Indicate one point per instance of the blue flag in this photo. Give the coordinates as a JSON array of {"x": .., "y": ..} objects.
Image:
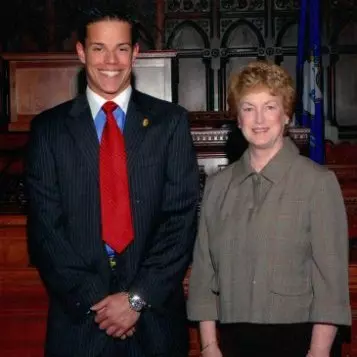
[{"x": 309, "y": 101}]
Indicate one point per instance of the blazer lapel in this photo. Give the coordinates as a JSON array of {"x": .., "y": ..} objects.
[
  {"x": 81, "y": 126},
  {"x": 136, "y": 126}
]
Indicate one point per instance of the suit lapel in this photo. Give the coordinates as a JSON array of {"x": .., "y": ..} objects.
[
  {"x": 81, "y": 126},
  {"x": 136, "y": 126}
]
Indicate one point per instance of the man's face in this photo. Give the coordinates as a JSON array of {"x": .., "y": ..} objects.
[{"x": 108, "y": 56}]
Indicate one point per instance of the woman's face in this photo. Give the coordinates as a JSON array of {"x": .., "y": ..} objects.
[{"x": 262, "y": 119}]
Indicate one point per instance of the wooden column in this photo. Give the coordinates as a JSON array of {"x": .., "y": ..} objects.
[
  {"x": 51, "y": 24},
  {"x": 160, "y": 23}
]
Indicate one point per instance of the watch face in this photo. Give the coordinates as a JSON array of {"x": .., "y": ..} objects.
[{"x": 136, "y": 303}]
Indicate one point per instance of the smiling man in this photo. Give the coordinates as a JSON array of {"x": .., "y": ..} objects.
[
  {"x": 113, "y": 188},
  {"x": 108, "y": 51}
]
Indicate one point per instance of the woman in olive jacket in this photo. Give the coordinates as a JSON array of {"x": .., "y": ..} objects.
[{"x": 270, "y": 264}]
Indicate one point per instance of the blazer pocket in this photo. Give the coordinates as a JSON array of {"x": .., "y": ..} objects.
[{"x": 289, "y": 287}]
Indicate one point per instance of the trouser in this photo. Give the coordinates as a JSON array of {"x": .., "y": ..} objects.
[
  {"x": 130, "y": 348},
  {"x": 125, "y": 348},
  {"x": 257, "y": 340}
]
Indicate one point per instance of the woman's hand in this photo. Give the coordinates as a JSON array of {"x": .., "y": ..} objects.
[
  {"x": 322, "y": 338},
  {"x": 209, "y": 340},
  {"x": 318, "y": 353},
  {"x": 211, "y": 350}
]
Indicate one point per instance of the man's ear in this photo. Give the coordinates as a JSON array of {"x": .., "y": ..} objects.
[
  {"x": 136, "y": 49},
  {"x": 80, "y": 52}
]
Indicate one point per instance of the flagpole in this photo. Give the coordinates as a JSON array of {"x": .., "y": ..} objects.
[
  {"x": 300, "y": 118},
  {"x": 317, "y": 120}
]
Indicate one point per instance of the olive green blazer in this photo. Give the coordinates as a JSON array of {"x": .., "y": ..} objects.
[{"x": 272, "y": 247}]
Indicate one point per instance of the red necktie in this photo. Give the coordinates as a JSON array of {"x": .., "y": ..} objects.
[{"x": 117, "y": 227}]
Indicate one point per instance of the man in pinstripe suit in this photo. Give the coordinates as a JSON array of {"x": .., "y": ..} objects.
[{"x": 135, "y": 309}]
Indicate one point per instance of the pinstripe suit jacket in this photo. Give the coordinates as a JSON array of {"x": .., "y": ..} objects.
[{"x": 64, "y": 223}]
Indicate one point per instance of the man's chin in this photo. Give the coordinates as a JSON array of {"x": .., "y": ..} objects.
[
  {"x": 115, "y": 89},
  {"x": 112, "y": 92}
]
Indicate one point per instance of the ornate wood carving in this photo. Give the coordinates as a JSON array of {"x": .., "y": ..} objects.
[
  {"x": 242, "y": 5},
  {"x": 345, "y": 4},
  {"x": 286, "y": 4},
  {"x": 187, "y": 6}
]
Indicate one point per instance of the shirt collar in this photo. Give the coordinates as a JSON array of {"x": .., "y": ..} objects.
[
  {"x": 276, "y": 167},
  {"x": 96, "y": 102}
]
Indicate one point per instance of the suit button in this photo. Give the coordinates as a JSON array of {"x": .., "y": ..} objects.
[{"x": 78, "y": 304}]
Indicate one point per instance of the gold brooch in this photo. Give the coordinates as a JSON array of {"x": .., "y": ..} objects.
[{"x": 112, "y": 262}]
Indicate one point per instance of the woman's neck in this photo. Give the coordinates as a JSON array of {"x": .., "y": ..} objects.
[{"x": 259, "y": 158}]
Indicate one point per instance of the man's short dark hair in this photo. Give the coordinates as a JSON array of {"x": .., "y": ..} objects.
[{"x": 120, "y": 12}]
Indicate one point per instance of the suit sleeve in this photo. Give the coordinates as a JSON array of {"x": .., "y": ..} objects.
[
  {"x": 202, "y": 299},
  {"x": 163, "y": 270},
  {"x": 63, "y": 271},
  {"x": 329, "y": 237}
]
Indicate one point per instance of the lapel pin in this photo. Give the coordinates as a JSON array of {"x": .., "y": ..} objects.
[{"x": 145, "y": 122}]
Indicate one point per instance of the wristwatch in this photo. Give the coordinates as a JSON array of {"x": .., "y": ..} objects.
[{"x": 136, "y": 302}]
